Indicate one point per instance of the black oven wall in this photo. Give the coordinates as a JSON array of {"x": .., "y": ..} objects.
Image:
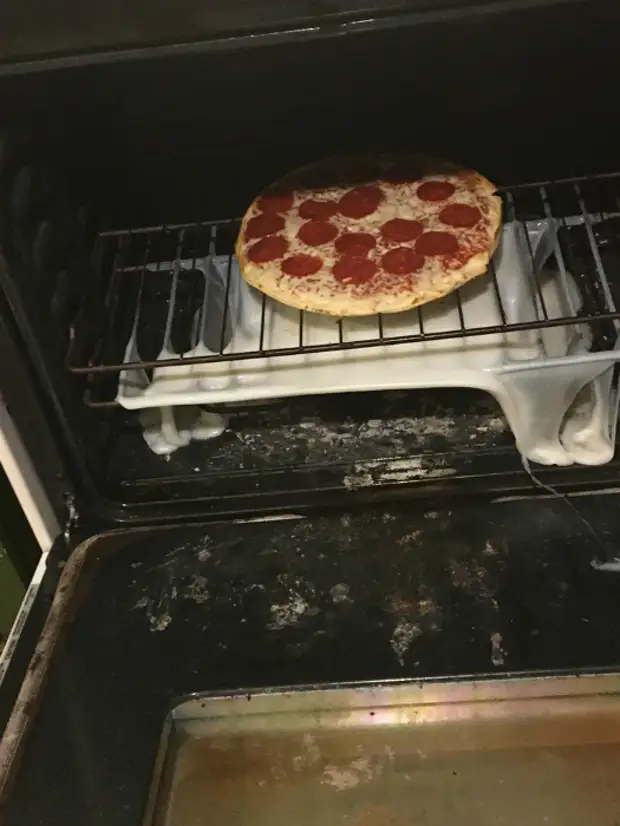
[{"x": 521, "y": 95}]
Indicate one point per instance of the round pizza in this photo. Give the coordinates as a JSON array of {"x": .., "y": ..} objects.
[{"x": 364, "y": 235}]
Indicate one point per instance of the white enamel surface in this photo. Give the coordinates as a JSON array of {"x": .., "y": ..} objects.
[
  {"x": 38, "y": 511},
  {"x": 25, "y": 482}
]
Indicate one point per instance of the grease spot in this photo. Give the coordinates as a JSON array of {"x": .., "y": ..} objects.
[
  {"x": 396, "y": 471},
  {"x": 489, "y": 550},
  {"x": 311, "y": 748},
  {"x": 403, "y": 636},
  {"x": 287, "y": 614},
  {"x": 358, "y": 771},
  {"x": 340, "y": 779},
  {"x": 497, "y": 651},
  {"x": 159, "y": 622},
  {"x": 172, "y": 582},
  {"x": 197, "y": 590},
  {"x": 340, "y": 593},
  {"x": 410, "y": 538}
]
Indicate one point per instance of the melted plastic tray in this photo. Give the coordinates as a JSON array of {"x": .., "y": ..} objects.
[
  {"x": 517, "y": 752},
  {"x": 513, "y": 366},
  {"x": 506, "y": 296}
]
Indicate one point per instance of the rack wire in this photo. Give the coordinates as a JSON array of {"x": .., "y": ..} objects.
[{"x": 137, "y": 265}]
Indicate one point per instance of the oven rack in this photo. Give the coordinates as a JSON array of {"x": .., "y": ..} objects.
[{"x": 151, "y": 290}]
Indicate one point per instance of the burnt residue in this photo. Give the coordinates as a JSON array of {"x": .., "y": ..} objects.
[
  {"x": 436, "y": 584},
  {"x": 371, "y": 594},
  {"x": 330, "y": 430},
  {"x": 303, "y": 453}
]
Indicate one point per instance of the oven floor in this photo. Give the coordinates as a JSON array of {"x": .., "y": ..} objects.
[
  {"x": 370, "y": 594},
  {"x": 305, "y": 452},
  {"x": 332, "y": 431}
]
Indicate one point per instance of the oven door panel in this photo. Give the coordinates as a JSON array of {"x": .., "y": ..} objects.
[
  {"x": 27, "y": 488},
  {"x": 142, "y": 618}
]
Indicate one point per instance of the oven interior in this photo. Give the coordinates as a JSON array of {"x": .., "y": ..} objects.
[{"x": 153, "y": 161}]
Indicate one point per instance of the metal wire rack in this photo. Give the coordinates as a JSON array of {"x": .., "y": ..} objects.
[{"x": 151, "y": 286}]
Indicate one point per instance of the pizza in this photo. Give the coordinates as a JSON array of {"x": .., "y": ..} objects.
[{"x": 365, "y": 235}]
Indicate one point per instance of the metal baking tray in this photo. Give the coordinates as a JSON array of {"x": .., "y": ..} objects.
[{"x": 519, "y": 751}]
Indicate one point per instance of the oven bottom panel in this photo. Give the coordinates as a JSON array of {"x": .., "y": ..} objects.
[
  {"x": 300, "y": 453},
  {"x": 144, "y": 618}
]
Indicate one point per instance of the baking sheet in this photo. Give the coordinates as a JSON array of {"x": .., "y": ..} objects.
[{"x": 522, "y": 752}]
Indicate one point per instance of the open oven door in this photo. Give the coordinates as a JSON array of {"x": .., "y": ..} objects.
[
  {"x": 21, "y": 486},
  {"x": 29, "y": 527},
  {"x": 416, "y": 598}
]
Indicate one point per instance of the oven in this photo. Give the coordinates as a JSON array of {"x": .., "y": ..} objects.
[{"x": 238, "y": 498}]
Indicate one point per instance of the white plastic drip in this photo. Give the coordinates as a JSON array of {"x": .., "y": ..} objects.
[{"x": 560, "y": 400}]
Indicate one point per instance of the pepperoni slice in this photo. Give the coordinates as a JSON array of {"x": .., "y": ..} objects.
[
  {"x": 402, "y": 261},
  {"x": 268, "y": 249},
  {"x": 436, "y": 190},
  {"x": 355, "y": 244},
  {"x": 460, "y": 215},
  {"x": 262, "y": 225},
  {"x": 275, "y": 202},
  {"x": 401, "y": 230},
  {"x": 437, "y": 243},
  {"x": 313, "y": 209},
  {"x": 316, "y": 233},
  {"x": 301, "y": 265},
  {"x": 350, "y": 270},
  {"x": 361, "y": 201}
]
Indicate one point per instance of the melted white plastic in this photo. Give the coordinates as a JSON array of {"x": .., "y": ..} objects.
[
  {"x": 560, "y": 402},
  {"x": 166, "y": 429}
]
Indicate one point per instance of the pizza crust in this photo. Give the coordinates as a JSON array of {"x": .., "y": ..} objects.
[{"x": 321, "y": 294}]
